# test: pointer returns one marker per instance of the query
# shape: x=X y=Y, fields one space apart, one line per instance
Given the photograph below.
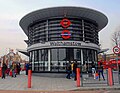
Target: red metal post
x=78 y=77
x=110 y=78
x=29 y=78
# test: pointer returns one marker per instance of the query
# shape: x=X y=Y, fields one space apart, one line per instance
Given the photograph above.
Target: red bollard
x=0 y=71
x=110 y=78
x=78 y=77
x=29 y=78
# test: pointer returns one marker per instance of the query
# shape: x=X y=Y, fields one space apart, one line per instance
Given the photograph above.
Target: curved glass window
x=60 y=57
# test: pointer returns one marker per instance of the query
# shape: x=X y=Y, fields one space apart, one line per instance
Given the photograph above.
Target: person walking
x=93 y=71
x=68 y=70
x=72 y=74
x=4 y=68
x=18 y=68
x=74 y=70
x=100 y=71
x=13 y=70
x=27 y=68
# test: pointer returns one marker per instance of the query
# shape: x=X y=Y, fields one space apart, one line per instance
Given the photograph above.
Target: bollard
x=29 y=78
x=110 y=77
x=78 y=77
x=0 y=71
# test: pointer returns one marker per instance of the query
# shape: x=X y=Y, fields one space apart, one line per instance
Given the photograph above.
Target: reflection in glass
x=60 y=57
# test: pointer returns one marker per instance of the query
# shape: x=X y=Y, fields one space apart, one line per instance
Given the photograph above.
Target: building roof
x=79 y=12
x=23 y=51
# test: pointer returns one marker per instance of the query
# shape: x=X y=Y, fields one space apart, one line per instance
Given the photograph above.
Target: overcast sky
x=11 y=11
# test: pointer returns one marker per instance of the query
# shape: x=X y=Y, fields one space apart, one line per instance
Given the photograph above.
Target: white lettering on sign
x=65 y=43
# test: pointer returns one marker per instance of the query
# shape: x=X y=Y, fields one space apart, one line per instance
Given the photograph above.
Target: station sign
x=62 y=43
x=65 y=23
x=65 y=33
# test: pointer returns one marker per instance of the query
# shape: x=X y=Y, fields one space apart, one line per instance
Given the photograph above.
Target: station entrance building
x=59 y=34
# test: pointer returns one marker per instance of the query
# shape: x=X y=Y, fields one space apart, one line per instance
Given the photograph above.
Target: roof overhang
x=78 y=12
x=25 y=52
x=103 y=50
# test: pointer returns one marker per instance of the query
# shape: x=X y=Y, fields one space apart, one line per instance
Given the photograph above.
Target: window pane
x=54 y=60
x=62 y=59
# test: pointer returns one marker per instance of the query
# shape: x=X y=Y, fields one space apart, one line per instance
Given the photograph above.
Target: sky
x=11 y=11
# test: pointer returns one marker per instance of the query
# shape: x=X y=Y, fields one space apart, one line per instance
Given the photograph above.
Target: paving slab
x=52 y=82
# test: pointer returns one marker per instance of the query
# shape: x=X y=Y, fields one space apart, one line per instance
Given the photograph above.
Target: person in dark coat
x=18 y=68
x=27 y=68
x=100 y=71
x=4 y=68
x=68 y=70
x=74 y=69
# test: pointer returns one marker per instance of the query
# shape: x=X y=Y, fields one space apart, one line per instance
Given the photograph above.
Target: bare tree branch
x=116 y=38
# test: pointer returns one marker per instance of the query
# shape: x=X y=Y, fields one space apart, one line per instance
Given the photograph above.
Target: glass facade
x=59 y=57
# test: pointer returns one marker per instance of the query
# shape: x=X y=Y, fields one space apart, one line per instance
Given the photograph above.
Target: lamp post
x=118 y=68
x=116 y=51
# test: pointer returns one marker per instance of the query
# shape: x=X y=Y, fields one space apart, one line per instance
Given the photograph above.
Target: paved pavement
x=94 y=91
x=14 y=91
x=53 y=82
x=43 y=83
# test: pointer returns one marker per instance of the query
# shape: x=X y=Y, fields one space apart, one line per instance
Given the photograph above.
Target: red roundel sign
x=65 y=23
x=116 y=50
x=66 y=34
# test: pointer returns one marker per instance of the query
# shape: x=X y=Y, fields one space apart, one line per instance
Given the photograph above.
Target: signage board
x=116 y=50
x=65 y=23
x=66 y=34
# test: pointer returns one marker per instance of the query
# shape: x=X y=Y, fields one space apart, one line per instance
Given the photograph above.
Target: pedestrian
x=100 y=71
x=84 y=68
x=93 y=71
x=74 y=70
x=72 y=74
x=68 y=70
x=4 y=68
x=27 y=68
x=14 y=70
x=18 y=68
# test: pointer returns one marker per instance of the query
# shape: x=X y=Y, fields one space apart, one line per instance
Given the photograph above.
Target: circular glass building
x=61 y=34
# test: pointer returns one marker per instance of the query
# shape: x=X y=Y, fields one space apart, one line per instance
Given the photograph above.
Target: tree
x=116 y=38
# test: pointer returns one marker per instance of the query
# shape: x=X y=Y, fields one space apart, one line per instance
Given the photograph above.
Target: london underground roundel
x=65 y=34
x=65 y=23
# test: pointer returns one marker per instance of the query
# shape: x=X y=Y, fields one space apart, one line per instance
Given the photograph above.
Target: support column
x=81 y=57
x=83 y=30
x=47 y=30
x=33 y=61
x=48 y=59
